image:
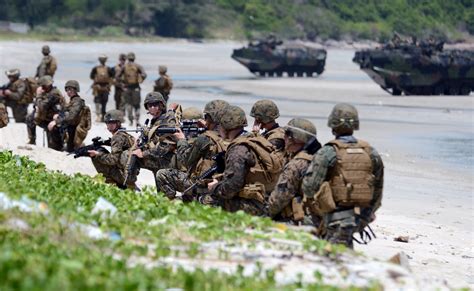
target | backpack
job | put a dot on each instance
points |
(102, 75)
(83, 127)
(3, 115)
(131, 74)
(30, 92)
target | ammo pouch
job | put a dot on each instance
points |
(297, 204)
(253, 191)
(323, 200)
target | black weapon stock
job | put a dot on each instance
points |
(132, 164)
(97, 145)
(218, 167)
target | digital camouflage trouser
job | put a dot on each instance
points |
(339, 227)
(173, 180)
(112, 174)
(55, 140)
(118, 97)
(19, 111)
(130, 103)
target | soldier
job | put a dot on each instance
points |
(163, 84)
(16, 95)
(160, 150)
(196, 156)
(286, 200)
(48, 65)
(118, 83)
(48, 102)
(265, 113)
(251, 168)
(344, 181)
(69, 118)
(108, 164)
(102, 76)
(132, 76)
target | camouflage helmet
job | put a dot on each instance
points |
(13, 73)
(45, 81)
(233, 117)
(343, 117)
(102, 58)
(265, 110)
(45, 49)
(113, 116)
(131, 56)
(162, 69)
(300, 129)
(191, 113)
(122, 57)
(215, 108)
(72, 84)
(154, 97)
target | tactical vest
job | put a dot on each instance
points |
(295, 210)
(130, 139)
(102, 75)
(14, 88)
(46, 108)
(131, 74)
(351, 179)
(30, 92)
(162, 121)
(163, 85)
(262, 177)
(3, 115)
(276, 133)
(216, 146)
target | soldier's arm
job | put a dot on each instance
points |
(18, 94)
(198, 150)
(378, 172)
(93, 72)
(238, 163)
(118, 144)
(53, 66)
(72, 113)
(286, 187)
(111, 71)
(324, 159)
(142, 71)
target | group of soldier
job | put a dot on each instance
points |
(278, 171)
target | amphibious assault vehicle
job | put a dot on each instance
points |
(419, 68)
(271, 57)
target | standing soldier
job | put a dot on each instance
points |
(48, 64)
(286, 201)
(132, 76)
(251, 167)
(102, 76)
(160, 150)
(196, 156)
(265, 113)
(17, 95)
(48, 102)
(108, 164)
(118, 83)
(344, 181)
(69, 119)
(163, 84)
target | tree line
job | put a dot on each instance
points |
(307, 19)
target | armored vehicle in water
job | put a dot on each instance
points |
(423, 68)
(272, 57)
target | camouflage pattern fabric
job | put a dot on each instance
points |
(288, 186)
(130, 103)
(172, 180)
(118, 84)
(163, 84)
(101, 90)
(47, 67)
(70, 119)
(109, 164)
(276, 136)
(15, 102)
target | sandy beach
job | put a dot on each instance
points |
(426, 143)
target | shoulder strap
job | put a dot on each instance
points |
(302, 155)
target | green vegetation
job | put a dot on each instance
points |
(48, 251)
(310, 19)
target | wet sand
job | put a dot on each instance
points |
(426, 142)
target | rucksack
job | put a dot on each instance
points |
(84, 126)
(102, 75)
(131, 74)
(30, 92)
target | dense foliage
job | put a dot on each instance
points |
(336, 19)
(49, 250)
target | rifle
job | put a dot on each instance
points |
(218, 167)
(312, 146)
(3, 88)
(97, 145)
(169, 130)
(190, 127)
(132, 163)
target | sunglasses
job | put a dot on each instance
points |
(154, 104)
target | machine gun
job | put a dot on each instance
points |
(312, 146)
(190, 127)
(132, 163)
(97, 145)
(218, 167)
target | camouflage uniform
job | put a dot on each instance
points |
(70, 117)
(276, 137)
(16, 100)
(266, 112)
(131, 75)
(163, 84)
(46, 105)
(102, 76)
(48, 65)
(341, 223)
(118, 82)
